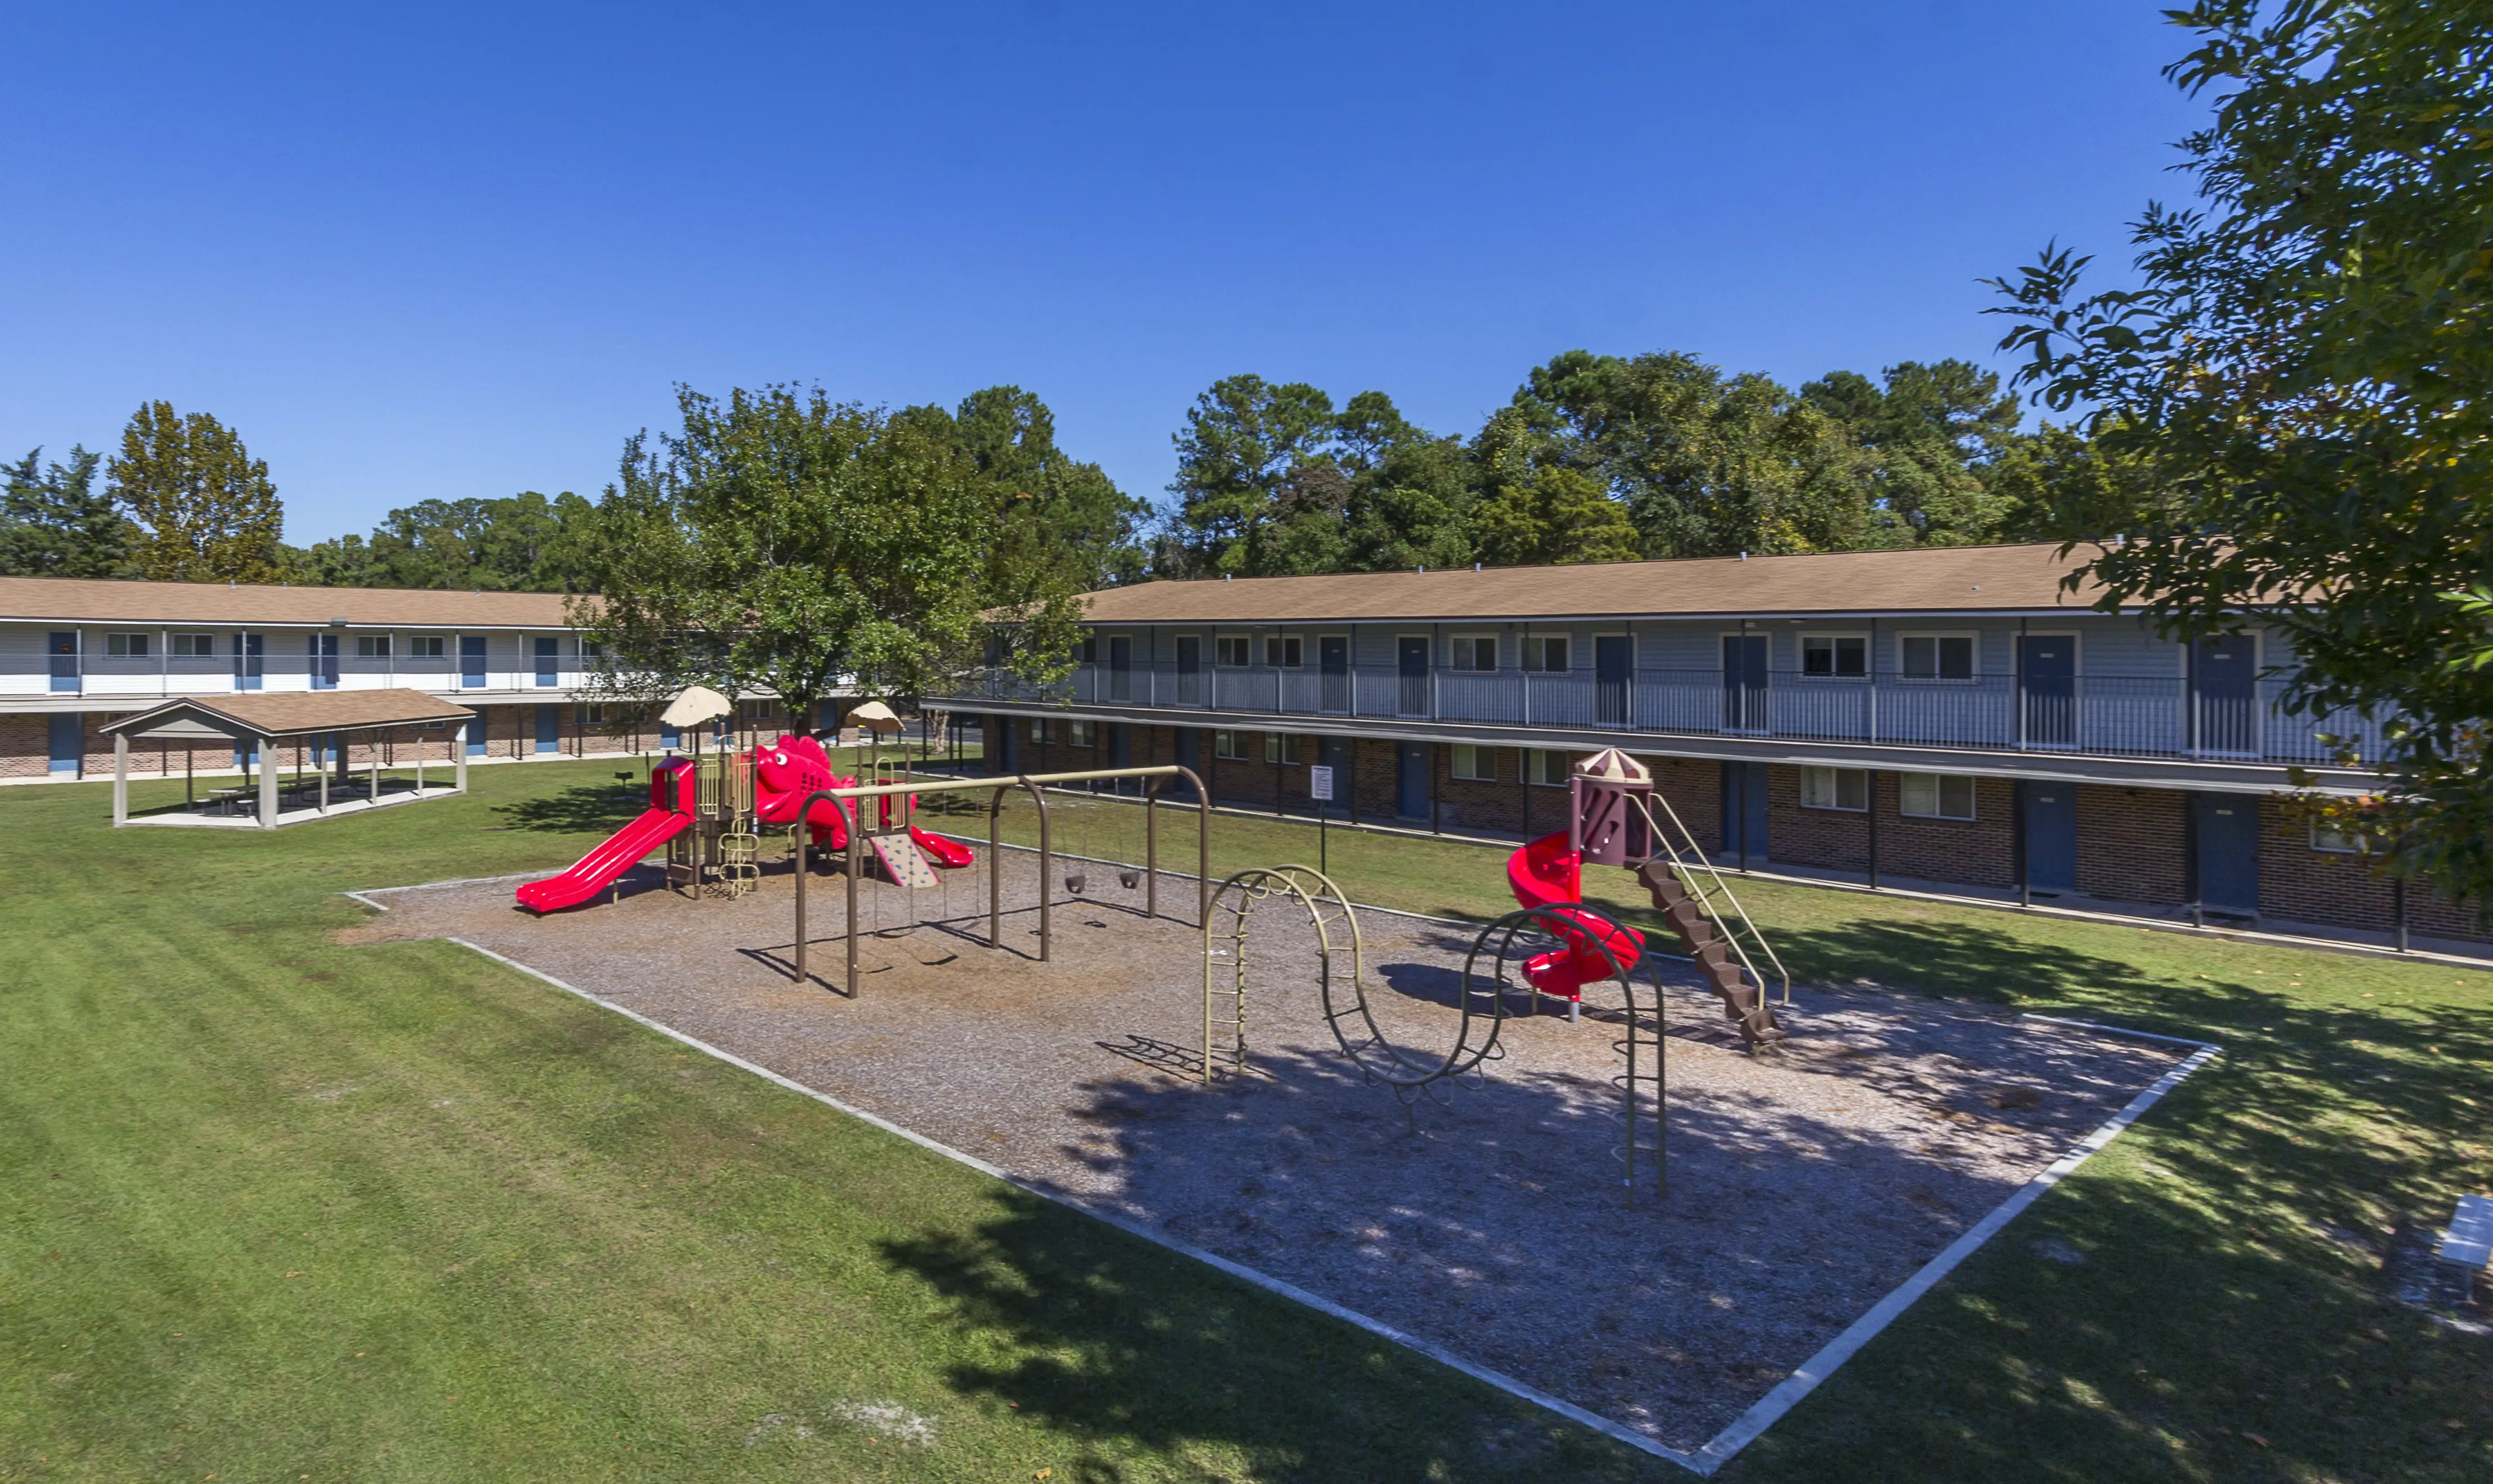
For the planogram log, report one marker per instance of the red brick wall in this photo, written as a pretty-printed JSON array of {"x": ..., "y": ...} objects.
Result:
[
  {"x": 1834, "y": 839},
  {"x": 1980, "y": 851},
  {"x": 2332, "y": 888},
  {"x": 25, "y": 746},
  {"x": 2132, "y": 844}
]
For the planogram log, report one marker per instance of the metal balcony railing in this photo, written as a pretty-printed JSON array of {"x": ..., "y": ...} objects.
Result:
[{"x": 2130, "y": 715}]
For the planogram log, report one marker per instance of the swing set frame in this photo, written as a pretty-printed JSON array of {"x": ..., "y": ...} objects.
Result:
[{"x": 1034, "y": 784}]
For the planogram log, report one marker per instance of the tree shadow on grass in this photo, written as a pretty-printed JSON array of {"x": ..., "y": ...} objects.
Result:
[{"x": 587, "y": 808}]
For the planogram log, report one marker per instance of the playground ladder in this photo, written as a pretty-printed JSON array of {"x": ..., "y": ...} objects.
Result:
[
  {"x": 1713, "y": 927},
  {"x": 1640, "y": 1092}
]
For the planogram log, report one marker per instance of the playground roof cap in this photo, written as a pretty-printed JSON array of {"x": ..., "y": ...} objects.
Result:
[
  {"x": 296, "y": 715},
  {"x": 107, "y": 600},
  {"x": 1920, "y": 580}
]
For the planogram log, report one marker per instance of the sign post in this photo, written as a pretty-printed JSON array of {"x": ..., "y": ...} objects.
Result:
[{"x": 1320, "y": 788}]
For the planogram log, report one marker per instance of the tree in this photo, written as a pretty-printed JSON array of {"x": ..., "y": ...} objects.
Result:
[
  {"x": 1243, "y": 439},
  {"x": 1052, "y": 509},
  {"x": 1552, "y": 516},
  {"x": 1410, "y": 492},
  {"x": 2301, "y": 369},
  {"x": 55, "y": 522},
  {"x": 1933, "y": 432},
  {"x": 526, "y": 543},
  {"x": 783, "y": 542},
  {"x": 208, "y": 510}
]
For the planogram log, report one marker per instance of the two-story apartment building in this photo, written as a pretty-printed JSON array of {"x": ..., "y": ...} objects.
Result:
[
  {"x": 75, "y": 653},
  {"x": 1948, "y": 715}
]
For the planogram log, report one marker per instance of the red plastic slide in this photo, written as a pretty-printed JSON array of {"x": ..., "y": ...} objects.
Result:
[
  {"x": 1547, "y": 872},
  {"x": 948, "y": 854},
  {"x": 669, "y": 784}
]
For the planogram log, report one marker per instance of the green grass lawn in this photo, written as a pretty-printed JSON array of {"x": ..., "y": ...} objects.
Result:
[{"x": 273, "y": 1208}]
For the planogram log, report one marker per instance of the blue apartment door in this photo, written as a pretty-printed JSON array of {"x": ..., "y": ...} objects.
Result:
[
  {"x": 1610, "y": 660},
  {"x": 1121, "y": 746},
  {"x": 999, "y": 737},
  {"x": 476, "y": 734},
  {"x": 548, "y": 661},
  {"x": 62, "y": 646},
  {"x": 2051, "y": 824},
  {"x": 1333, "y": 664},
  {"x": 2224, "y": 679},
  {"x": 67, "y": 741},
  {"x": 1744, "y": 682},
  {"x": 323, "y": 654},
  {"x": 249, "y": 661},
  {"x": 548, "y": 729},
  {"x": 1411, "y": 669},
  {"x": 1121, "y": 669},
  {"x": 1189, "y": 669},
  {"x": 1411, "y": 780},
  {"x": 472, "y": 661},
  {"x": 1335, "y": 753},
  {"x": 2226, "y": 831},
  {"x": 1744, "y": 811},
  {"x": 2047, "y": 672}
]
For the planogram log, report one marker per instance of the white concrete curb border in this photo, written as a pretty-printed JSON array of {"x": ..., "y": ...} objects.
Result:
[{"x": 1705, "y": 1461}]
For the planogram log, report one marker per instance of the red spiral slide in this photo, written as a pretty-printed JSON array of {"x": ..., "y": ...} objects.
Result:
[{"x": 1548, "y": 872}]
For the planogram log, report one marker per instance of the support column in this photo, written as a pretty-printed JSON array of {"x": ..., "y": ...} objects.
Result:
[
  {"x": 459, "y": 756},
  {"x": 120, "y": 777},
  {"x": 265, "y": 746}
]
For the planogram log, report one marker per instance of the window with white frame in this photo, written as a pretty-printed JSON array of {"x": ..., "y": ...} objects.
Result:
[
  {"x": 1039, "y": 728},
  {"x": 1284, "y": 651},
  {"x": 426, "y": 646},
  {"x": 1229, "y": 745},
  {"x": 1546, "y": 651},
  {"x": 590, "y": 714},
  {"x": 1547, "y": 767},
  {"x": 1232, "y": 650},
  {"x": 1277, "y": 749},
  {"x": 1080, "y": 733},
  {"x": 1934, "y": 656},
  {"x": 1935, "y": 795},
  {"x": 195, "y": 646},
  {"x": 1475, "y": 764},
  {"x": 2339, "y": 841},
  {"x": 372, "y": 647},
  {"x": 1476, "y": 653},
  {"x": 127, "y": 646},
  {"x": 1835, "y": 656},
  {"x": 1846, "y": 788}
]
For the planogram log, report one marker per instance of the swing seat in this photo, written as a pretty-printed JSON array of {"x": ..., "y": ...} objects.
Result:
[
  {"x": 1130, "y": 879},
  {"x": 1075, "y": 880}
]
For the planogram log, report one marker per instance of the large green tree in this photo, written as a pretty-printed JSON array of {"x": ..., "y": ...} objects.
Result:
[
  {"x": 207, "y": 510},
  {"x": 785, "y": 542},
  {"x": 55, "y": 522},
  {"x": 1933, "y": 432},
  {"x": 1055, "y": 514},
  {"x": 1245, "y": 441},
  {"x": 2301, "y": 363}
]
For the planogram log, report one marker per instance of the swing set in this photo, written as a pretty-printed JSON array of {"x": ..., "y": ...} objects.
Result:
[{"x": 1152, "y": 781}]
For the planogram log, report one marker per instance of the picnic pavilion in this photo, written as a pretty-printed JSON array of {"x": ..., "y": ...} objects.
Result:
[{"x": 321, "y": 726}]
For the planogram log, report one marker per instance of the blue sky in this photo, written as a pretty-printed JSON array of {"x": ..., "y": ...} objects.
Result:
[{"x": 414, "y": 252}]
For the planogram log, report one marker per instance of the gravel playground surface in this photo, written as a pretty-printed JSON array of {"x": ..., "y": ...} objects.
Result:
[{"x": 1804, "y": 1184}]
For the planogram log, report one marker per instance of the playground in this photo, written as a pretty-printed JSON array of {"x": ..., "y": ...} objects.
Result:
[{"x": 1801, "y": 1180}]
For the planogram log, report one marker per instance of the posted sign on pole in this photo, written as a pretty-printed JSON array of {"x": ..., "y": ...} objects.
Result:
[{"x": 1320, "y": 784}]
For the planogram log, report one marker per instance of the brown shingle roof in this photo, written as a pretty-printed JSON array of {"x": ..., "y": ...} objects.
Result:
[
  {"x": 93, "y": 600},
  {"x": 294, "y": 713},
  {"x": 1920, "y": 580}
]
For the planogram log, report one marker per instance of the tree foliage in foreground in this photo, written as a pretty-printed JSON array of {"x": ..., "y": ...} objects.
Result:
[
  {"x": 2303, "y": 372},
  {"x": 782, "y": 542}
]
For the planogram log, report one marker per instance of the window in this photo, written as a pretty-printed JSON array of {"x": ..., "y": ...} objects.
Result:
[
  {"x": 195, "y": 646},
  {"x": 1089, "y": 649},
  {"x": 754, "y": 710},
  {"x": 125, "y": 646},
  {"x": 1935, "y": 796},
  {"x": 1547, "y": 768},
  {"x": 592, "y": 650},
  {"x": 1229, "y": 745},
  {"x": 1475, "y": 652},
  {"x": 1937, "y": 656},
  {"x": 1081, "y": 733},
  {"x": 1039, "y": 728},
  {"x": 2339, "y": 842},
  {"x": 1835, "y": 789},
  {"x": 1546, "y": 651},
  {"x": 372, "y": 647},
  {"x": 1277, "y": 749},
  {"x": 589, "y": 714},
  {"x": 1475, "y": 764},
  {"x": 1284, "y": 651},
  {"x": 1232, "y": 650},
  {"x": 425, "y": 646},
  {"x": 1835, "y": 656},
  {"x": 428, "y": 726}
]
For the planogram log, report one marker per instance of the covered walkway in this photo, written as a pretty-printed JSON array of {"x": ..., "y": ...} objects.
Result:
[{"x": 320, "y": 724}]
